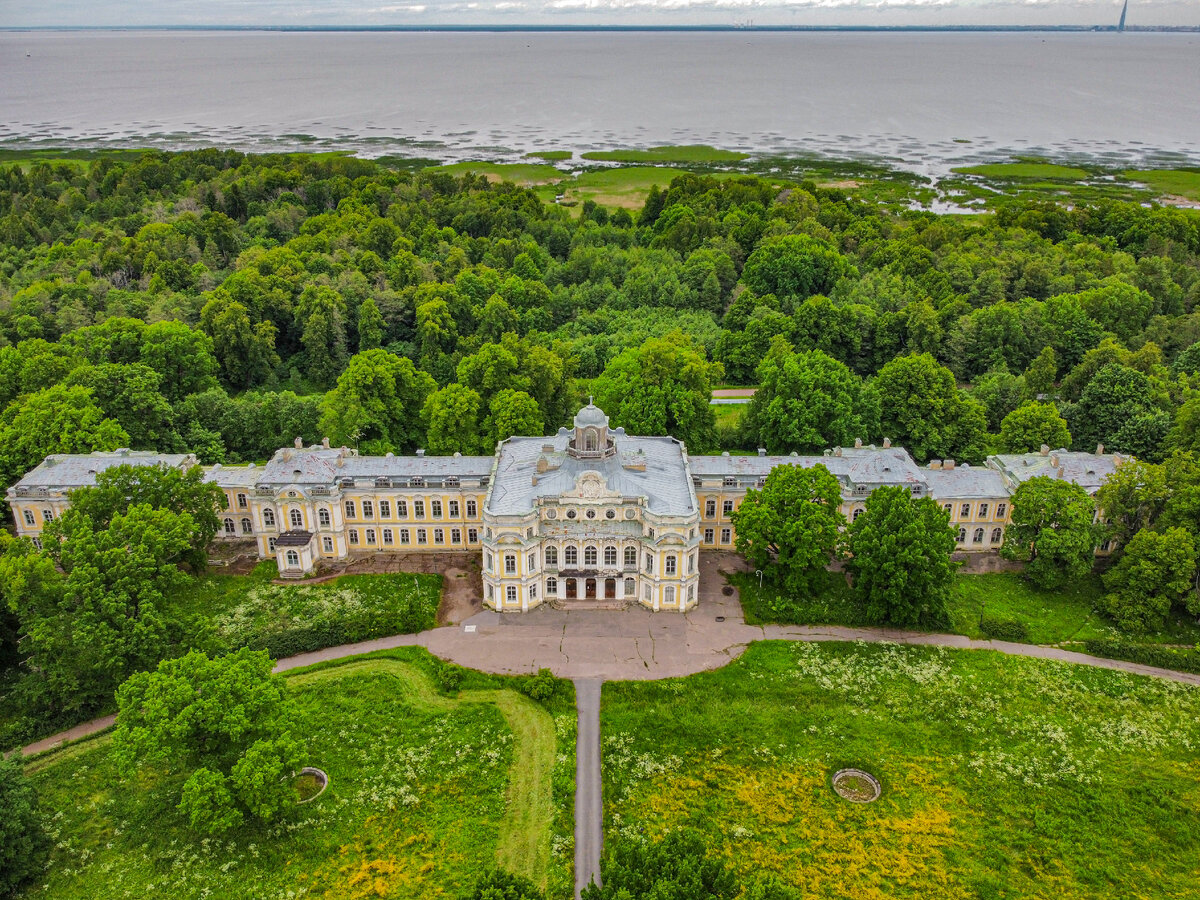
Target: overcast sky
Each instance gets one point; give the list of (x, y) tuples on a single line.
[(18, 13)]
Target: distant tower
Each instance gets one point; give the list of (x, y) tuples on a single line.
[(1124, 9)]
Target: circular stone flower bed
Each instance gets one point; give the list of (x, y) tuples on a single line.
[(856, 786), (311, 784)]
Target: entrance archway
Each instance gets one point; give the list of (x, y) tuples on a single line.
[(610, 589), (590, 589)]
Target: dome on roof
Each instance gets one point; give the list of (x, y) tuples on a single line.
[(590, 415)]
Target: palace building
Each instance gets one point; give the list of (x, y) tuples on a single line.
[(590, 514)]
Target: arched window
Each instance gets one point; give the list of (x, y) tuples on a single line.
[(630, 587), (551, 586), (323, 517), (589, 556), (589, 440), (229, 527), (610, 556), (552, 556), (296, 518), (293, 558), (631, 556), (997, 535), (247, 528), (962, 535), (269, 518), (571, 556), (857, 513), (977, 538)]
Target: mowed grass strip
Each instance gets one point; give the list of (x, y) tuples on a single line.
[(425, 792), (1024, 170), (1002, 777)]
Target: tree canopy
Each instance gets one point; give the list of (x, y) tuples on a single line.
[(1052, 531)]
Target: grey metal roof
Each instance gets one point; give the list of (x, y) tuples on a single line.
[(664, 483), (750, 466), (73, 470), (233, 476), (966, 483), (590, 415), (866, 465), (1088, 470), (327, 465)]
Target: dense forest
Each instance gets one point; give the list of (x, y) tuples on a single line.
[(224, 304)]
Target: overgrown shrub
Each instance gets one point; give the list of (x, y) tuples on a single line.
[(541, 686), (449, 678), (1182, 659), (22, 837), (1004, 629), (499, 885)]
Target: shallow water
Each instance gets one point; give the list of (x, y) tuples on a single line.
[(913, 98)]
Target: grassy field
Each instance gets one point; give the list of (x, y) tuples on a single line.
[(1169, 182), (1025, 170), (687, 153), (550, 155), (426, 791), (1002, 777), (521, 174), (624, 187), (1051, 617)]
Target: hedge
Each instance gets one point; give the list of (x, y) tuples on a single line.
[(1004, 630), (1182, 659)]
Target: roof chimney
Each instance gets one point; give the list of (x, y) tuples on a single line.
[(858, 443), (948, 464), (1044, 450), (935, 464), (1054, 461), (1118, 459), (299, 443), (421, 452), (1099, 449), (325, 442), (887, 443), (762, 451)]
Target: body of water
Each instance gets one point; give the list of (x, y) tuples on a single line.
[(926, 100)]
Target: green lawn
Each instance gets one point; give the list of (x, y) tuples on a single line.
[(550, 155), (1169, 182), (426, 791), (1051, 617), (686, 153), (625, 187), (1002, 777), (521, 174), (1031, 170)]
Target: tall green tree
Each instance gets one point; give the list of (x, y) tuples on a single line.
[(244, 350), (1032, 425), (1156, 572), (807, 402), (922, 409), (58, 419), (1133, 497), (453, 414), (791, 528), (379, 398), (321, 314), (92, 604), (512, 413), (661, 387), (23, 840), (1052, 531), (370, 326), (182, 357), (900, 550), (226, 723), (132, 396), (794, 265)]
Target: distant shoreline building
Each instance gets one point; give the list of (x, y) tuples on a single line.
[(590, 514)]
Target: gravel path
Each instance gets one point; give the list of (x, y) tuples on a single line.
[(589, 811)]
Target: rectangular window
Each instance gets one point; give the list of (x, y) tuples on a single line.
[(436, 508), (650, 562), (370, 535), (727, 507), (454, 509), (241, 501), (473, 535), (533, 592), (472, 509), (510, 594), (630, 557), (422, 537), (691, 563), (965, 511), (404, 536), (368, 509), (531, 562), (710, 509), (456, 535), (353, 536), (487, 561), (948, 507), (385, 509), (671, 564), (37, 542), (708, 535), (1001, 509), (48, 516), (387, 536), (349, 509), (983, 507), (726, 535), (419, 508), (29, 520), (402, 509), (439, 535), (510, 564), (729, 481), (327, 543)]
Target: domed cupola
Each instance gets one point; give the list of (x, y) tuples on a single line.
[(590, 439)]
